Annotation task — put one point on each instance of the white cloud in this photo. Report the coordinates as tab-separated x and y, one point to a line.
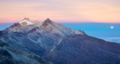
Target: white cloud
111	39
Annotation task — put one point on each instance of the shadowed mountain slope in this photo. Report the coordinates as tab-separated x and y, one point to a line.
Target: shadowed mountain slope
9	55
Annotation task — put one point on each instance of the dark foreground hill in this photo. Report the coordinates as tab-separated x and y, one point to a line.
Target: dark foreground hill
9	55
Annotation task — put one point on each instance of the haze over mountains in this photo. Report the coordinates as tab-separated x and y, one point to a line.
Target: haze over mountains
59	44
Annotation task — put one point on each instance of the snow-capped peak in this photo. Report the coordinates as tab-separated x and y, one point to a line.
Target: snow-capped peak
26	21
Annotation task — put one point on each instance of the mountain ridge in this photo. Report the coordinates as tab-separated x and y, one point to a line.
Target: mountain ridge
59	44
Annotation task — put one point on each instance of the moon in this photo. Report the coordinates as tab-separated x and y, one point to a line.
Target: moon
111	27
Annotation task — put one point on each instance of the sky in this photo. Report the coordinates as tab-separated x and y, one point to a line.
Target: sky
65	11
94	17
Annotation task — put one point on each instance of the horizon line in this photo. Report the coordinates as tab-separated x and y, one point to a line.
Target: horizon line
68	22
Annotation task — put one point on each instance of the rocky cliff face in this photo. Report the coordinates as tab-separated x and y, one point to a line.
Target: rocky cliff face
9	55
60	44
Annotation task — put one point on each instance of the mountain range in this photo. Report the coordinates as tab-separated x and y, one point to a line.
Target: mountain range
59	44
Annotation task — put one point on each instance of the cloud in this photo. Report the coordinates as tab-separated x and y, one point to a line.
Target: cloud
111	39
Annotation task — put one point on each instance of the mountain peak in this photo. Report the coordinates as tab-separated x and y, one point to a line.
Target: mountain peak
26	21
47	20
26	18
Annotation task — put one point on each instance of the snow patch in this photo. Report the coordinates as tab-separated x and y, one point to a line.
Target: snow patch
78	32
59	41
31	39
39	41
27	21
52	49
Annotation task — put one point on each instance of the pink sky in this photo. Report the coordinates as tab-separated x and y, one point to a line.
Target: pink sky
105	11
